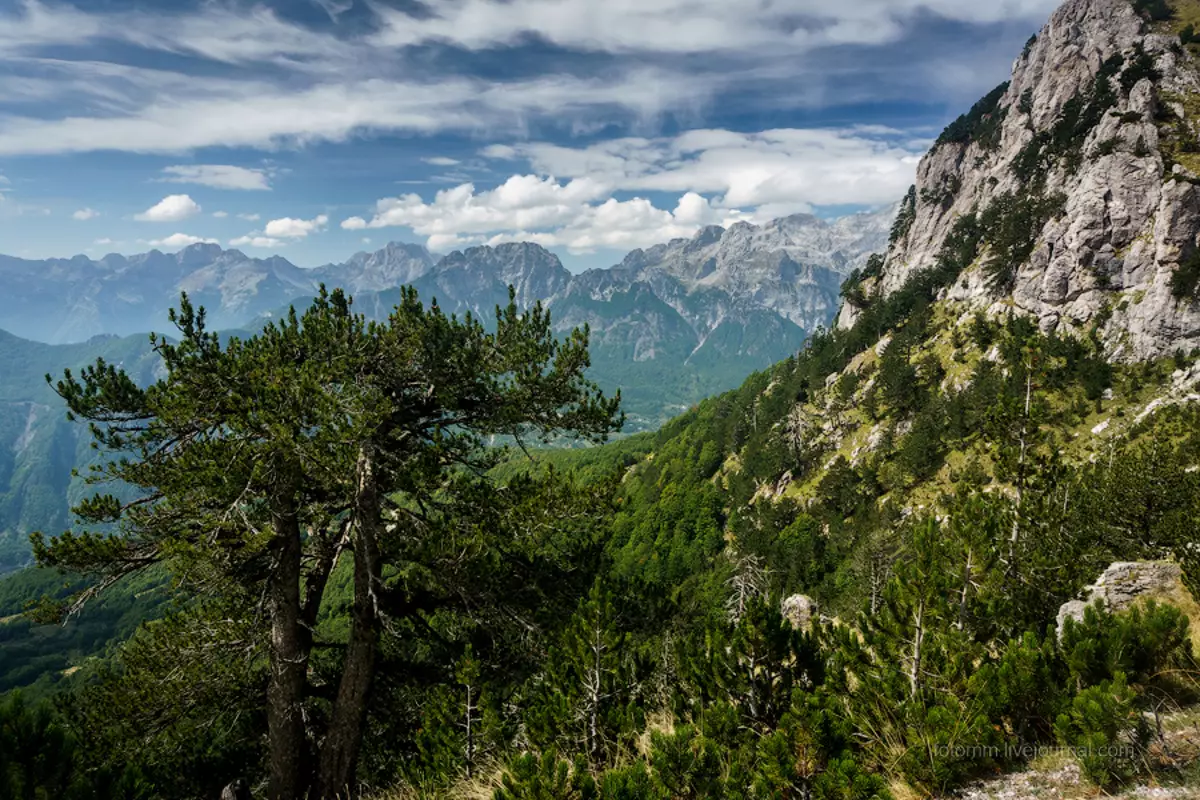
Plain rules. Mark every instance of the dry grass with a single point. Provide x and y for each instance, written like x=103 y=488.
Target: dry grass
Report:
x=656 y=722
x=482 y=787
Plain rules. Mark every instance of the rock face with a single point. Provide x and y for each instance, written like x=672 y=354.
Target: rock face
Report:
x=1125 y=583
x=1098 y=122
x=801 y=611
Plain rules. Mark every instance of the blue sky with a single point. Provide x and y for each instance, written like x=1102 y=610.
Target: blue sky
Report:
x=316 y=128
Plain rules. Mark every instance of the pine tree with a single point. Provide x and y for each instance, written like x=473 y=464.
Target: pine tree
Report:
x=264 y=462
x=587 y=698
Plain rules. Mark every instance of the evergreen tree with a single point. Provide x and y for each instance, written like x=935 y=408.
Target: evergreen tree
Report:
x=262 y=462
x=588 y=698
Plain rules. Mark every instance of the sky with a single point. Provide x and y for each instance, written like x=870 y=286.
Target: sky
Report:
x=313 y=129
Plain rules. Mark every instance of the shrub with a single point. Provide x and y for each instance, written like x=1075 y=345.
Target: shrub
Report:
x=981 y=123
x=1106 y=731
x=1185 y=280
x=1140 y=643
x=686 y=764
x=530 y=777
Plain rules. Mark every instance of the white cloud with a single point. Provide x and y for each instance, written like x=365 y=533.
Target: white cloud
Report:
x=85 y=214
x=252 y=114
x=218 y=176
x=172 y=208
x=442 y=161
x=224 y=34
x=103 y=241
x=579 y=215
x=366 y=240
x=783 y=168
x=300 y=85
x=685 y=26
x=220 y=214
x=180 y=240
x=289 y=228
x=249 y=217
x=253 y=240
x=712 y=177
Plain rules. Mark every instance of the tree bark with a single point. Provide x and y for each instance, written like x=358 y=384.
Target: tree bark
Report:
x=290 y=648
x=339 y=752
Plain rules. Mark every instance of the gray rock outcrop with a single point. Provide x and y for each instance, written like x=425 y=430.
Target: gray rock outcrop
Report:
x=1130 y=211
x=1124 y=584
x=801 y=611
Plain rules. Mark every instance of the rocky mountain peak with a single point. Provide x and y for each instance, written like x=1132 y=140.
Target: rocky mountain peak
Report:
x=1070 y=193
x=201 y=253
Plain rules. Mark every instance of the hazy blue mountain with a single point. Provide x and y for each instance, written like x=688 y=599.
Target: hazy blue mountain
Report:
x=38 y=446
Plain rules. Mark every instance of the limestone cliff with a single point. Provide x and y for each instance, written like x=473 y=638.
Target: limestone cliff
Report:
x=1070 y=193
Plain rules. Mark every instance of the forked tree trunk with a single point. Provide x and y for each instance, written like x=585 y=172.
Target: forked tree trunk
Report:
x=339 y=751
x=290 y=648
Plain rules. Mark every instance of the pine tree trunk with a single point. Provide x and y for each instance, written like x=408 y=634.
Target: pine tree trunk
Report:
x=290 y=648
x=964 y=595
x=470 y=744
x=1016 y=526
x=914 y=674
x=339 y=752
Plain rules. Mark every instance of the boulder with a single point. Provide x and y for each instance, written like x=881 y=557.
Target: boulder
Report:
x=800 y=610
x=1127 y=582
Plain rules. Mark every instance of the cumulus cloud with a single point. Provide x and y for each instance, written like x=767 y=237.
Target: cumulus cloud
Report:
x=289 y=228
x=180 y=240
x=85 y=214
x=249 y=217
x=220 y=214
x=442 y=161
x=217 y=176
x=172 y=208
x=253 y=240
x=579 y=215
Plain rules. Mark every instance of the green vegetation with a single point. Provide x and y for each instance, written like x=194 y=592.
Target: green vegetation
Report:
x=905 y=216
x=982 y=124
x=1185 y=280
x=1154 y=10
x=371 y=596
x=38 y=654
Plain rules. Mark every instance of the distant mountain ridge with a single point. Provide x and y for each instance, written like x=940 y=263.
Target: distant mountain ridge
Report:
x=67 y=300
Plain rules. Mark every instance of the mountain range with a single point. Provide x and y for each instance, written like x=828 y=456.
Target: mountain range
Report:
x=671 y=324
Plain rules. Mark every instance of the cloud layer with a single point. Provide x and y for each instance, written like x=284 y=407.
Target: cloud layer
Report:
x=274 y=82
